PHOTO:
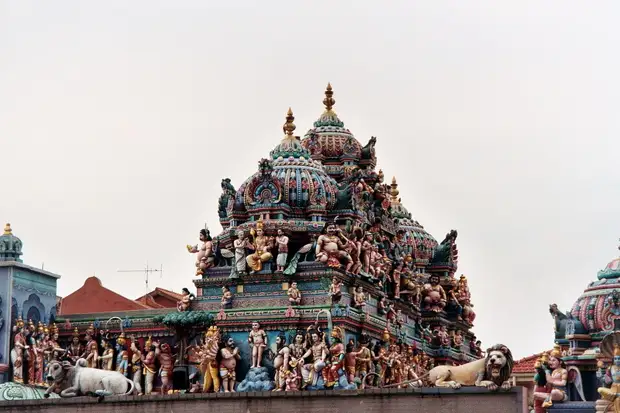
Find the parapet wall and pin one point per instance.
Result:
(427, 400)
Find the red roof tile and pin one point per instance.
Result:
(93, 297)
(526, 364)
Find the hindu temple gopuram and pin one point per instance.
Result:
(582, 371)
(320, 278)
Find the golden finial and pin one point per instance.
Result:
(329, 101)
(394, 191)
(289, 126)
(7, 229)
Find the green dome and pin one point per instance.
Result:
(10, 245)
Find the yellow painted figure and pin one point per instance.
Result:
(261, 245)
(208, 364)
(611, 394)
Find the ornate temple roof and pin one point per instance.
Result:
(290, 182)
(333, 144)
(10, 245)
(599, 304)
(11, 391)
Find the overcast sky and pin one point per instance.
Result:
(119, 119)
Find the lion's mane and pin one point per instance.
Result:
(506, 371)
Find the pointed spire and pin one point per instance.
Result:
(289, 126)
(394, 191)
(329, 101)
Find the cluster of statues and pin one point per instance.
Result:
(35, 347)
(366, 255)
(309, 360)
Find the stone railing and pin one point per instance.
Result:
(421, 400)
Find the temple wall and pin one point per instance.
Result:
(34, 295)
(370, 401)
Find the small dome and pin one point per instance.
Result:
(333, 144)
(424, 244)
(10, 245)
(599, 305)
(290, 183)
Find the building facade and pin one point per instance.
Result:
(25, 291)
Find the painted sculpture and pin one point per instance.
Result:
(204, 252)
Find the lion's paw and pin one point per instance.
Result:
(506, 386)
(492, 386)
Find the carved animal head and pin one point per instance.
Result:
(498, 363)
(57, 371)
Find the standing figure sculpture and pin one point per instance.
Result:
(228, 365)
(282, 242)
(19, 351)
(241, 244)
(261, 244)
(122, 357)
(335, 368)
(205, 258)
(208, 360)
(150, 370)
(76, 349)
(258, 342)
(165, 357)
(136, 365)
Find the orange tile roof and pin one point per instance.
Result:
(93, 297)
(526, 364)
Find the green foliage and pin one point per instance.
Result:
(186, 319)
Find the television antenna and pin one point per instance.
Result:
(147, 271)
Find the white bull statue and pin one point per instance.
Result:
(79, 380)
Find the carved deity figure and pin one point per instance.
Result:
(92, 349)
(317, 355)
(76, 349)
(227, 298)
(228, 365)
(204, 254)
(282, 243)
(335, 290)
(258, 341)
(331, 247)
(148, 362)
(281, 362)
(363, 357)
(208, 360)
(434, 295)
(557, 379)
(136, 365)
(335, 367)
(464, 298)
(294, 295)
(107, 358)
(241, 244)
(185, 301)
(165, 357)
(261, 244)
(122, 356)
(612, 379)
(292, 377)
(359, 298)
(19, 351)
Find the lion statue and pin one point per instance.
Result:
(492, 372)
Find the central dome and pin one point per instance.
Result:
(334, 145)
(289, 184)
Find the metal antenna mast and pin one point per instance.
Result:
(147, 271)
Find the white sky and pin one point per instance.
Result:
(118, 120)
